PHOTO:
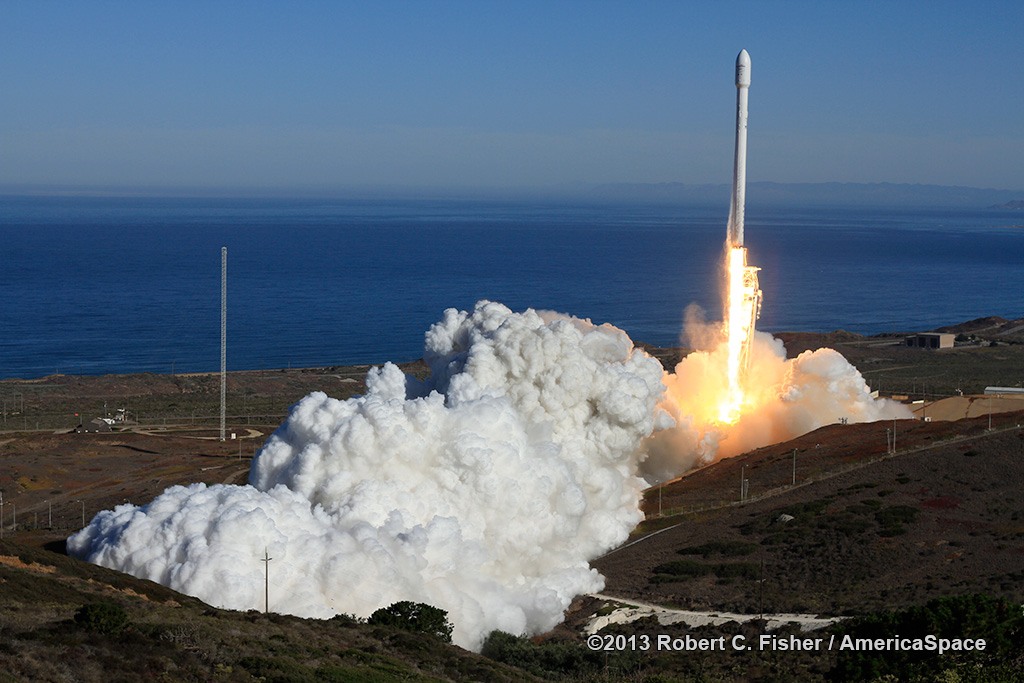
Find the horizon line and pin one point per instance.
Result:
(575, 190)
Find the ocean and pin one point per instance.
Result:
(92, 285)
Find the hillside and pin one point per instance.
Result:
(860, 531)
(167, 636)
(864, 530)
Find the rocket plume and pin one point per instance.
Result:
(738, 391)
(742, 309)
(742, 294)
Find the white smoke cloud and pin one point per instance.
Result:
(484, 490)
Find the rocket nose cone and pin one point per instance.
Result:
(742, 69)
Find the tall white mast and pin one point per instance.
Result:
(223, 338)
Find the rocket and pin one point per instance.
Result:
(739, 169)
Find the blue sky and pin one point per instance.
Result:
(507, 95)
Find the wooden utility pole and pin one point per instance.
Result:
(761, 591)
(266, 581)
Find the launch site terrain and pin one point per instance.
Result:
(861, 530)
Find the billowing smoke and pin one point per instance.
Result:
(484, 490)
(784, 399)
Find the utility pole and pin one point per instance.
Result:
(266, 581)
(761, 596)
(223, 337)
(83, 511)
(794, 467)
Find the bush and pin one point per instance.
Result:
(726, 548)
(1000, 622)
(550, 659)
(681, 570)
(105, 618)
(416, 617)
(278, 669)
(892, 519)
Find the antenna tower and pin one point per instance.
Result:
(223, 338)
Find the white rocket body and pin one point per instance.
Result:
(739, 170)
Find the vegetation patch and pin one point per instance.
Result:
(550, 659)
(808, 521)
(892, 519)
(415, 617)
(683, 570)
(724, 548)
(104, 618)
(999, 622)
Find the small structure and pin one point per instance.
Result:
(997, 391)
(94, 426)
(931, 340)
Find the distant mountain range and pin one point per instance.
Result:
(1016, 204)
(871, 194)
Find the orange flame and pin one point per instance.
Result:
(743, 305)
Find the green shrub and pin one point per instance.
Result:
(846, 523)
(279, 669)
(1000, 622)
(736, 570)
(105, 618)
(681, 570)
(551, 658)
(727, 548)
(335, 674)
(416, 617)
(892, 519)
(801, 513)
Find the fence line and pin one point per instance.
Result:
(52, 422)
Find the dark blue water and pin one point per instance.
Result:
(101, 285)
